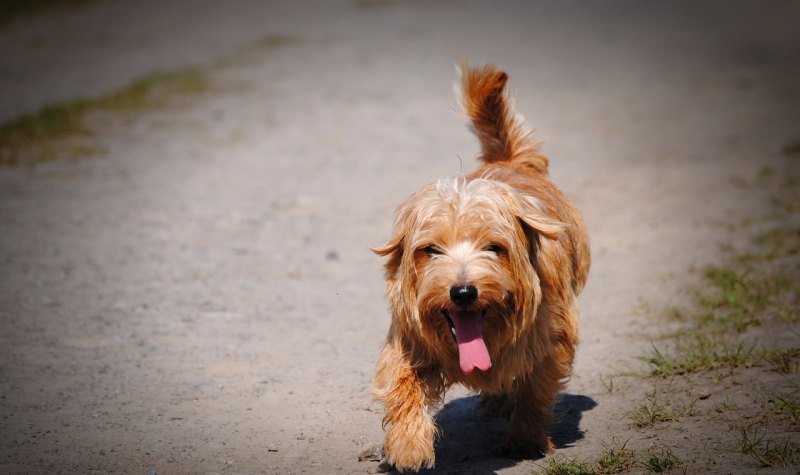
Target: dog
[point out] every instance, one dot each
(482, 274)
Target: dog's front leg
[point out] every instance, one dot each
(407, 395)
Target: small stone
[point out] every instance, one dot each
(301, 436)
(373, 453)
(272, 448)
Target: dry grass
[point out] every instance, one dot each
(61, 129)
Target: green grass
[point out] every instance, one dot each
(779, 242)
(42, 134)
(49, 124)
(739, 297)
(654, 412)
(727, 404)
(614, 459)
(767, 452)
(783, 360)
(51, 132)
(732, 300)
(154, 90)
(755, 287)
(786, 406)
(661, 462)
(759, 287)
(742, 314)
(647, 415)
(562, 465)
(702, 353)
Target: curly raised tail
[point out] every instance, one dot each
(501, 131)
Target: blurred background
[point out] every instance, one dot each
(189, 191)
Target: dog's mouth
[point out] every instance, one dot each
(467, 329)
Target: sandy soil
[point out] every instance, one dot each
(203, 299)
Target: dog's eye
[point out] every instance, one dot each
(495, 248)
(432, 250)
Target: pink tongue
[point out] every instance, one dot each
(472, 352)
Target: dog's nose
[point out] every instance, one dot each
(463, 295)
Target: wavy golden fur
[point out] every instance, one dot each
(510, 233)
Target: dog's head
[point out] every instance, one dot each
(461, 270)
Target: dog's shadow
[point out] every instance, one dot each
(468, 440)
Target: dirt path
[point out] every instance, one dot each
(202, 298)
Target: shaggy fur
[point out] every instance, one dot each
(510, 233)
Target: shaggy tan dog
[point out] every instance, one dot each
(482, 275)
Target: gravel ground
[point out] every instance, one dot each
(202, 297)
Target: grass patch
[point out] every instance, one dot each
(732, 300)
(702, 353)
(759, 287)
(674, 314)
(49, 124)
(783, 360)
(560, 464)
(779, 242)
(654, 412)
(42, 134)
(785, 406)
(768, 453)
(647, 415)
(742, 314)
(614, 459)
(755, 287)
(154, 90)
(727, 404)
(661, 462)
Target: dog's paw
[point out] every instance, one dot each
(384, 467)
(516, 449)
(412, 460)
(410, 449)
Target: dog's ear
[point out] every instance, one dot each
(405, 219)
(544, 226)
(392, 246)
(393, 249)
(538, 229)
(532, 214)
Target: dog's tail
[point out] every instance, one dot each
(501, 131)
